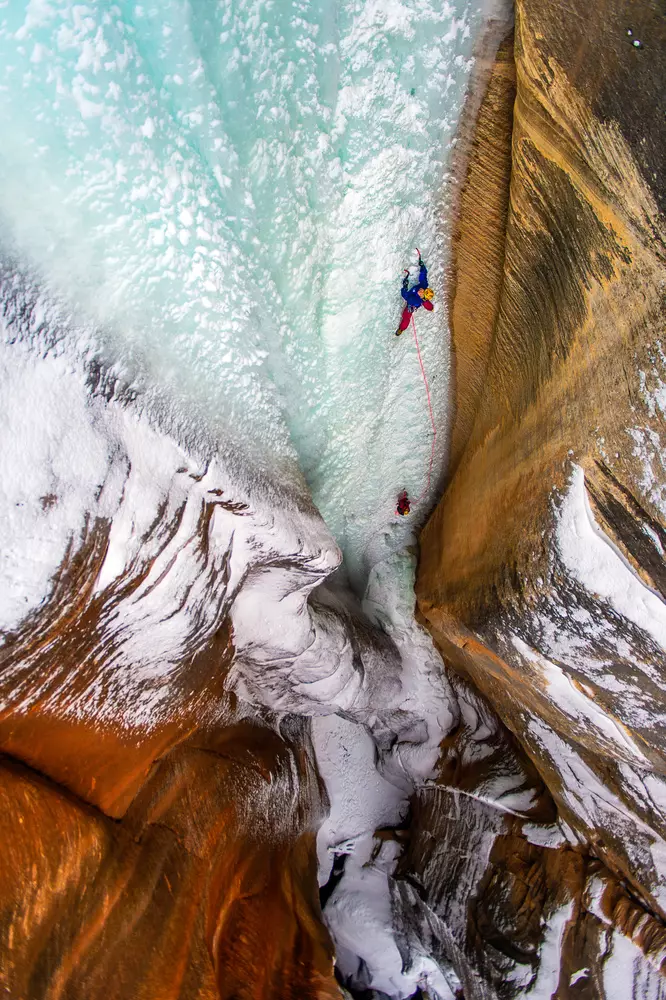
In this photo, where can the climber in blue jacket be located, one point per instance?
(420, 295)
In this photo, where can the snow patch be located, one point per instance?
(361, 800)
(595, 562)
(548, 975)
(54, 460)
(571, 700)
(543, 835)
(579, 974)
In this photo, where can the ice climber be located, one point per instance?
(403, 508)
(419, 295)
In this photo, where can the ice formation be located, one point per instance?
(204, 215)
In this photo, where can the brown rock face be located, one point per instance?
(158, 831)
(205, 887)
(555, 506)
(480, 228)
(489, 885)
(172, 857)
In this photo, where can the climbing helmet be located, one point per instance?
(428, 294)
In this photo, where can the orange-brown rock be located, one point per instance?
(580, 306)
(205, 887)
(478, 242)
(559, 366)
(169, 853)
(171, 858)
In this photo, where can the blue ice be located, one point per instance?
(228, 190)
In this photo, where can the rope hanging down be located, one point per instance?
(432, 419)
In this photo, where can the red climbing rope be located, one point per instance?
(432, 419)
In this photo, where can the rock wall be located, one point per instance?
(541, 574)
(158, 815)
(173, 899)
(480, 227)
(158, 831)
(148, 861)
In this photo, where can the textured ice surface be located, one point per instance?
(231, 191)
(215, 201)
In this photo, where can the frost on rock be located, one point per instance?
(591, 652)
(194, 203)
(168, 548)
(205, 210)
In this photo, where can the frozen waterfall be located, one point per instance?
(205, 210)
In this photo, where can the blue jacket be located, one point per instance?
(411, 297)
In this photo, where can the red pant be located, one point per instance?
(405, 318)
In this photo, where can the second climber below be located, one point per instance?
(419, 295)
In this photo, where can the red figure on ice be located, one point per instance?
(420, 295)
(403, 508)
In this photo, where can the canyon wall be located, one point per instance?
(173, 898)
(162, 646)
(541, 573)
(158, 831)
(148, 859)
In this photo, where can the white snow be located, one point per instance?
(361, 920)
(362, 800)
(548, 974)
(596, 563)
(67, 458)
(571, 699)
(579, 974)
(628, 972)
(544, 836)
(53, 463)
